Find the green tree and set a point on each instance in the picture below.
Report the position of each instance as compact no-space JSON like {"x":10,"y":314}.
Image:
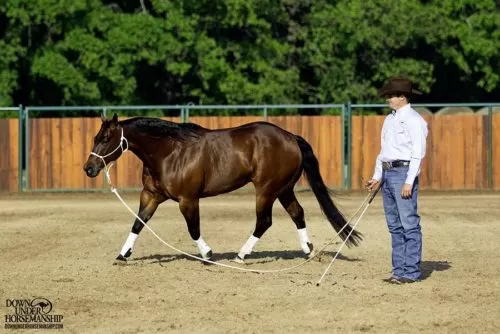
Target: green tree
{"x":91,"y":52}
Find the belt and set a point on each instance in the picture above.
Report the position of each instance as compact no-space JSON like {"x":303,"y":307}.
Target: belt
{"x":386,"y":165}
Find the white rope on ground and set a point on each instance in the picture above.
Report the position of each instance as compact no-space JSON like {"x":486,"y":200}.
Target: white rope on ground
{"x":340,"y":248}
{"x":371,"y":197}
{"x":115,"y":191}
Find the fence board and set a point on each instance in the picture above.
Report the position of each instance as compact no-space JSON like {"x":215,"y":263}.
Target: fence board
{"x":365,"y":147}
{"x":5,"y":160}
{"x":496,"y":151}
{"x":33,"y":154}
{"x":455,"y":166}
{"x":426,"y":168}
{"x":221,"y":122}
{"x":66,"y":153}
{"x":14,"y":155}
{"x":9,"y":155}
{"x":47,"y":153}
{"x":55,"y":160}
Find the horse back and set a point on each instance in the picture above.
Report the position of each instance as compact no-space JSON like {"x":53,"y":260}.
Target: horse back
{"x":251,"y":152}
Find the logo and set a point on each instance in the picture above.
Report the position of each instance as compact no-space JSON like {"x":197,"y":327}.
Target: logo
{"x":31,"y":314}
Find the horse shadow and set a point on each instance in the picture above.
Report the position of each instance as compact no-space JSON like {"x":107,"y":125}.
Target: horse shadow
{"x":428,"y":267}
{"x":254,"y":258}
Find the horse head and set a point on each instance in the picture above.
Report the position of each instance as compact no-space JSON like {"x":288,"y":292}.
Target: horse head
{"x":109,"y":144}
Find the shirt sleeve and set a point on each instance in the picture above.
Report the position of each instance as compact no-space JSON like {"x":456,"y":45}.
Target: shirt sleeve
{"x":377,"y":173}
{"x":417,"y":129}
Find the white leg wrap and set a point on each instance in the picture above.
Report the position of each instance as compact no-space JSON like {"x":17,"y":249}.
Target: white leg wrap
{"x":202,"y":246}
{"x":129,"y":243}
{"x":304,"y":239}
{"x":248,"y":246}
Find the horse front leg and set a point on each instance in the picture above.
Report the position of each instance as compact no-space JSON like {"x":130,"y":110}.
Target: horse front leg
{"x":148,"y":204}
{"x":190,"y":209}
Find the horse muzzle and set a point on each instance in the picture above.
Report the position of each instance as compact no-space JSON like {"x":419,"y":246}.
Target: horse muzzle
{"x":91,"y":170}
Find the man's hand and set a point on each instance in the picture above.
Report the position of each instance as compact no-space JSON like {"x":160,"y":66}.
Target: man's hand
{"x":406,"y":191}
{"x":372,"y":184}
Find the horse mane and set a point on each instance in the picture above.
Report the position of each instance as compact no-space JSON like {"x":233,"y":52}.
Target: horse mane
{"x":157,"y":128}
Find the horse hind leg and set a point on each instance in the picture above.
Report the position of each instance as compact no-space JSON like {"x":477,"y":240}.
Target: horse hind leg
{"x":148,"y":204}
{"x":296,"y":212}
{"x":190,"y":209}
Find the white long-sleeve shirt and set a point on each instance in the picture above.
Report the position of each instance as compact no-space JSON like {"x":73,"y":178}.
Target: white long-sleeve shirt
{"x":403,"y":137}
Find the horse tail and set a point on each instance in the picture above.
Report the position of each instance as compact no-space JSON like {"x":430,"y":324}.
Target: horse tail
{"x":337,"y":220}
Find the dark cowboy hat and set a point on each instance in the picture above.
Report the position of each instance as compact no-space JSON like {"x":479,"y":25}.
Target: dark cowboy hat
{"x":398,"y":85}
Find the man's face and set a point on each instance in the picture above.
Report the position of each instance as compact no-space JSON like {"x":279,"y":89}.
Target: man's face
{"x":396,"y":101}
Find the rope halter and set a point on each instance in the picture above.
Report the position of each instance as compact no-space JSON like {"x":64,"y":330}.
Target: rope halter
{"x":123,"y":141}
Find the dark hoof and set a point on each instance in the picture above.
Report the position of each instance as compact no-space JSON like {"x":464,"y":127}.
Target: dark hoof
{"x":208,"y":257}
{"x":310,"y":245}
{"x":311,"y":253}
{"x":128,"y":253}
{"x":120,"y":260}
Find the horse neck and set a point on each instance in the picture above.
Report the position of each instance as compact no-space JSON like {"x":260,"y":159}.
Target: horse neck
{"x":146,"y":147}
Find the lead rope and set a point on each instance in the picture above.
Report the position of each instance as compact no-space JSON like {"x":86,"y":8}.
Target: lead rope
{"x":115,"y":191}
{"x":371,"y":197}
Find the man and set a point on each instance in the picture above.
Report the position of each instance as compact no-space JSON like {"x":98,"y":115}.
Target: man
{"x":398,"y":165}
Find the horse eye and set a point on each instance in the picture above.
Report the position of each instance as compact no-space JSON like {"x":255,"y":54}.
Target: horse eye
{"x":106,"y":139}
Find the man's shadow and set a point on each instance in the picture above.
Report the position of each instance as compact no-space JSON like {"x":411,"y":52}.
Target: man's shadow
{"x":428,"y":267}
{"x":254,"y":258}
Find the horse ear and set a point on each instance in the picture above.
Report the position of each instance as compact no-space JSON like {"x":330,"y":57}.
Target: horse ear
{"x":115,"y":118}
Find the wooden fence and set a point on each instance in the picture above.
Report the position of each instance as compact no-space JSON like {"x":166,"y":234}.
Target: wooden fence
{"x":456,"y":158}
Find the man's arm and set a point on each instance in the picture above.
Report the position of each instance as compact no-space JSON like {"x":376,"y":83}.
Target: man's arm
{"x":418,"y":134}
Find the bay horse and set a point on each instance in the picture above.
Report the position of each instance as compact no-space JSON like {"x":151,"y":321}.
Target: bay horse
{"x":185,"y":162}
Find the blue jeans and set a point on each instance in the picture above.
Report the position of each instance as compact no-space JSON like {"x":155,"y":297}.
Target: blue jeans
{"x":404,"y":224}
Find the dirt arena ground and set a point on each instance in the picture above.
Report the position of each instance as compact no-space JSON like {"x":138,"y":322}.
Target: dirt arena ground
{"x":62,"y":247}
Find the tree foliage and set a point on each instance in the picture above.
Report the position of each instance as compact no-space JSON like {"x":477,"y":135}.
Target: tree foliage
{"x":92,"y":52}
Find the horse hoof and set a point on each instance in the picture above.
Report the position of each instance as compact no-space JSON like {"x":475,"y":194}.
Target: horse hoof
{"x":310,"y":255}
{"x":120,"y":261}
{"x":311,"y":247}
{"x":238,"y":259}
{"x":208,"y":256}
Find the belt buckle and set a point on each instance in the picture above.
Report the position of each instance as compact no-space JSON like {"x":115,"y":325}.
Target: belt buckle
{"x":387,"y":165}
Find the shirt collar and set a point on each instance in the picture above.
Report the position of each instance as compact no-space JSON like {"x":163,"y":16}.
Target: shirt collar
{"x":401,"y":112}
